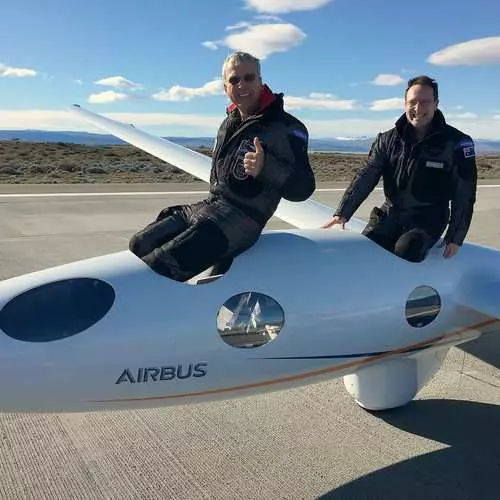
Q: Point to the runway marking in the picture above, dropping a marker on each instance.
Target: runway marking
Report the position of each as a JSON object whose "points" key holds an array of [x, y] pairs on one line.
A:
{"points": [[123, 193], [163, 193]]}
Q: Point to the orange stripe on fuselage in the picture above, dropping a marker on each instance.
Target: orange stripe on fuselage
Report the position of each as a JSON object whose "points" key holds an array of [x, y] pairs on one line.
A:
{"points": [[314, 373]]}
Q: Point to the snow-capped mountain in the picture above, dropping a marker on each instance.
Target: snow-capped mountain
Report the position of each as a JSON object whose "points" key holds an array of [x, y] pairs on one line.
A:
{"points": [[358, 145]]}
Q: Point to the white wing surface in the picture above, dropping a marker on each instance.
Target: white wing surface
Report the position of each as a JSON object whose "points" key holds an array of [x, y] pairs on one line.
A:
{"points": [[307, 214]]}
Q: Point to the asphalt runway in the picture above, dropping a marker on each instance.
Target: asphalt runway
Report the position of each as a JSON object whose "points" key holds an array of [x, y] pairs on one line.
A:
{"points": [[311, 442]]}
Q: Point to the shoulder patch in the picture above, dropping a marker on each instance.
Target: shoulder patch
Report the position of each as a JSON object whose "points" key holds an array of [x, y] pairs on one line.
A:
{"points": [[468, 149], [299, 133]]}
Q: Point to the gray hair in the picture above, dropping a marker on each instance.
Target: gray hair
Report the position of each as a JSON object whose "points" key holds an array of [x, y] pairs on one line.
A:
{"points": [[237, 58]]}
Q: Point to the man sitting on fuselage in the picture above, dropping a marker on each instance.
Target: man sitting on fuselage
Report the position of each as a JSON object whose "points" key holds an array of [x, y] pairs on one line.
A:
{"points": [[260, 156]]}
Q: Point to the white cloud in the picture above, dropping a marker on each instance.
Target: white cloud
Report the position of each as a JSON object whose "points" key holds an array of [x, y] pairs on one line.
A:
{"points": [[461, 116], [473, 52], [178, 93], [9, 71], [318, 101], [321, 95], [64, 120], [382, 79], [78, 81], [119, 82], [387, 79], [35, 119], [283, 6], [265, 17], [481, 128], [349, 127], [211, 45], [261, 40], [206, 122], [237, 26], [207, 125], [387, 104], [107, 96]]}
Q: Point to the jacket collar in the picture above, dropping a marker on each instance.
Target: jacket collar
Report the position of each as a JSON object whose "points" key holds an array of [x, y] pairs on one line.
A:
{"points": [[404, 128]]}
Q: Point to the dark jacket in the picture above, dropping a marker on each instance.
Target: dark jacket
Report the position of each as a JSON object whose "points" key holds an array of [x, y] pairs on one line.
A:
{"points": [[286, 172], [420, 178]]}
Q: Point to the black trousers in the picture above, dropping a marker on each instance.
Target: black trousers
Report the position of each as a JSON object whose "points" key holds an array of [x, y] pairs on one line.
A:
{"points": [[408, 236], [185, 240]]}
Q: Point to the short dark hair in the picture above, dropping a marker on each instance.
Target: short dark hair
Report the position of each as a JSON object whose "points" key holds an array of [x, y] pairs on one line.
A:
{"points": [[423, 80]]}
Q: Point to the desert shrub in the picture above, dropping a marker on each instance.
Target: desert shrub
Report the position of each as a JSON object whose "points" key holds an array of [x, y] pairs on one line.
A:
{"points": [[95, 170], [68, 166], [9, 170], [38, 169]]}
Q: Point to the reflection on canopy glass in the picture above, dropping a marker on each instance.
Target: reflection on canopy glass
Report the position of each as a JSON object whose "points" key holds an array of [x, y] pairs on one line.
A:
{"points": [[423, 306], [249, 319]]}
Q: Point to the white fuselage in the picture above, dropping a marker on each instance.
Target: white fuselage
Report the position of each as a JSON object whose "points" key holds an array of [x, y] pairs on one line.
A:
{"points": [[344, 305]]}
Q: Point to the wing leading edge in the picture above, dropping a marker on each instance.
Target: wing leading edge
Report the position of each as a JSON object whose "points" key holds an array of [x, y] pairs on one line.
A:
{"points": [[308, 214]]}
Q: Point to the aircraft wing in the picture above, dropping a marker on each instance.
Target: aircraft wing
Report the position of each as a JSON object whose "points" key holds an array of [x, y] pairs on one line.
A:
{"points": [[308, 214]]}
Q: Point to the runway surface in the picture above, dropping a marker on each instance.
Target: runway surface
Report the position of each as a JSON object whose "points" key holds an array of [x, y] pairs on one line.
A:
{"points": [[312, 442]]}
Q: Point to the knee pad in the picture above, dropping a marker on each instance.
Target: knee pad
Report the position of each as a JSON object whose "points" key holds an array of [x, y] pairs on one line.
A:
{"points": [[140, 244], [413, 245], [169, 211], [200, 246], [382, 228], [222, 266], [134, 245]]}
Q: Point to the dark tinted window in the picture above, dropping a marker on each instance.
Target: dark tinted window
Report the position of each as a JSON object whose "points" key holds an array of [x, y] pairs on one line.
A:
{"points": [[56, 310]]}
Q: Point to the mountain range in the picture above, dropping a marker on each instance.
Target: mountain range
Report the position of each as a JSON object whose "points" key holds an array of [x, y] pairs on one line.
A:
{"points": [[354, 145]]}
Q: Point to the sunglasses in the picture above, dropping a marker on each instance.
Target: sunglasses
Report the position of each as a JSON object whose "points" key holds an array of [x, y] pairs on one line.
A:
{"points": [[423, 102], [249, 77]]}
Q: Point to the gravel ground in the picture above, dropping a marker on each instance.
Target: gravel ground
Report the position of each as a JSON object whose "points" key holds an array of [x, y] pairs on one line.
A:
{"points": [[62, 163]]}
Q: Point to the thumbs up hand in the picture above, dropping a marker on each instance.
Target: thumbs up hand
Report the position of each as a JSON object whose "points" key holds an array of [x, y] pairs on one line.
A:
{"points": [[254, 161]]}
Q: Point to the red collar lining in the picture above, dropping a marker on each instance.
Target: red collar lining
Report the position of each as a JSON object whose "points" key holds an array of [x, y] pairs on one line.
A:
{"points": [[265, 100]]}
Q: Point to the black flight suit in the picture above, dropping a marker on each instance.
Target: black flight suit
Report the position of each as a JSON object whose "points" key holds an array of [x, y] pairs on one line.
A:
{"points": [[420, 179], [185, 240]]}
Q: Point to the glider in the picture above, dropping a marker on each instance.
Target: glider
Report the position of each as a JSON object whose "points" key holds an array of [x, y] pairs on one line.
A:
{"points": [[301, 306]]}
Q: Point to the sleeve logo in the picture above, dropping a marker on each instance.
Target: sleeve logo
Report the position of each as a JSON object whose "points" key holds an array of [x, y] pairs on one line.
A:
{"points": [[468, 149]]}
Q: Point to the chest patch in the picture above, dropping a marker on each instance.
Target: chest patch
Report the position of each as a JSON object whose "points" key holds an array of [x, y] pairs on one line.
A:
{"points": [[237, 169], [434, 164]]}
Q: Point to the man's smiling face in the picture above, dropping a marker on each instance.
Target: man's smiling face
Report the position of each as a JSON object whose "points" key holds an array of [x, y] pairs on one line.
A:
{"points": [[242, 84], [420, 106]]}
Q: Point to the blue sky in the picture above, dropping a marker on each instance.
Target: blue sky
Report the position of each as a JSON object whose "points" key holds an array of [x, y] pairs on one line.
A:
{"points": [[342, 64]]}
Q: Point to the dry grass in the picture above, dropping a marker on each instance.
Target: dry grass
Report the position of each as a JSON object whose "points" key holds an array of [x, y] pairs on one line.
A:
{"points": [[61, 163]]}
